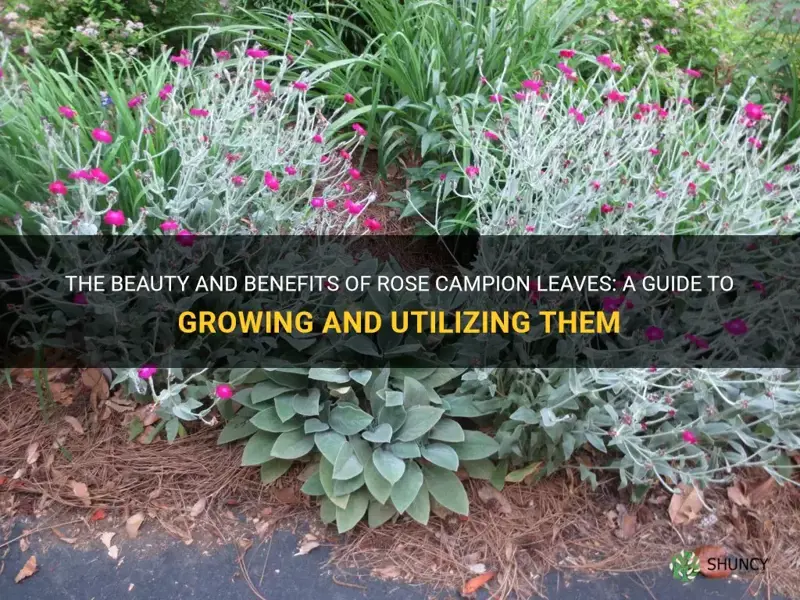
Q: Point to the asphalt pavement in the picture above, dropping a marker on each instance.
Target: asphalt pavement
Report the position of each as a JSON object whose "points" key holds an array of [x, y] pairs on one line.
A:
{"points": [[155, 567]]}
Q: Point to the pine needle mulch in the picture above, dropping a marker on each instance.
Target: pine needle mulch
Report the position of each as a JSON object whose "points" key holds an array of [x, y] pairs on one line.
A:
{"points": [[193, 486]]}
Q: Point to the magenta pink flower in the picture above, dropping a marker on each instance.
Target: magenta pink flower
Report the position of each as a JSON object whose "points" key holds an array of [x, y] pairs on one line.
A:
{"points": [[354, 173], [221, 54], [354, 208], [102, 136], [58, 188], [703, 166], [67, 112], [519, 96], [81, 174], [579, 116], [262, 86], [533, 85], [290, 170], [615, 96], [491, 135], [770, 187], [755, 142], [324, 159], [115, 218], [165, 91], [99, 176], [530, 228], [692, 189], [318, 202], [185, 238], [496, 98], [604, 59], [472, 171], [693, 73], [169, 225], [606, 209], [689, 437], [685, 101], [349, 98], [595, 184], [565, 69], [271, 182], [372, 224], [317, 139], [347, 186], [788, 167], [238, 180], [135, 101], [654, 151], [758, 285], [331, 204], [359, 129], [566, 53], [754, 112], [224, 391], [80, 298], [697, 341], [182, 60], [198, 112], [147, 371], [736, 326], [654, 333], [442, 176], [661, 49], [612, 303], [660, 194], [344, 154], [300, 85], [257, 53]]}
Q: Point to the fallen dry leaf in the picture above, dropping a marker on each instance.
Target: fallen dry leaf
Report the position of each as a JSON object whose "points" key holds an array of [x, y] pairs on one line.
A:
{"points": [[198, 508], [306, 547], [627, 527], [391, 572], [63, 538], [737, 496], [704, 553], [61, 393], [28, 569], [97, 384], [24, 544], [106, 538], [287, 495], [685, 507], [81, 491], [476, 583], [97, 515], [494, 499], [113, 552], [32, 453], [75, 424], [132, 525], [762, 492]]}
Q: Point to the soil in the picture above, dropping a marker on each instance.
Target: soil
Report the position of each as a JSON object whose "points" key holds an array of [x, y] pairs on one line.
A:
{"points": [[197, 492]]}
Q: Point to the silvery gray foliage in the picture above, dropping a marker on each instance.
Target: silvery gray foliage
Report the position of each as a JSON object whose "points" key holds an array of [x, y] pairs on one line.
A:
{"points": [[570, 162]]}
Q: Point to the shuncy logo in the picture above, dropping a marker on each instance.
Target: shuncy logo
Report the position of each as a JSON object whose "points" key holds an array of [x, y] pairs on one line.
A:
{"points": [[686, 565]]}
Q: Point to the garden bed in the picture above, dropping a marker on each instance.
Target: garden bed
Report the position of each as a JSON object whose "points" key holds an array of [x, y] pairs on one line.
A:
{"points": [[197, 491]]}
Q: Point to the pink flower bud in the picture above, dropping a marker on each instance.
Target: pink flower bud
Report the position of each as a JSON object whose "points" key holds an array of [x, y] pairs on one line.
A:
{"points": [[67, 112], [262, 86], [115, 218], [318, 202], [349, 98], [185, 238], [169, 225], [58, 188], [102, 136], [224, 391], [147, 371]]}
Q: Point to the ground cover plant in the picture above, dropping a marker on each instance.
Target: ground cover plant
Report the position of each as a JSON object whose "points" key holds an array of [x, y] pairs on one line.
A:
{"points": [[234, 140], [416, 55], [139, 154]]}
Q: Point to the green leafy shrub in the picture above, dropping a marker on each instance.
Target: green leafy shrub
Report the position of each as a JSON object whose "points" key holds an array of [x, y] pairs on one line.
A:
{"points": [[417, 56], [719, 39], [88, 28]]}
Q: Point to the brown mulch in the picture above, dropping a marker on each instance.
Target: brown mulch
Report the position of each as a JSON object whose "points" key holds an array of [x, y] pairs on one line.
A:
{"points": [[558, 523]]}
